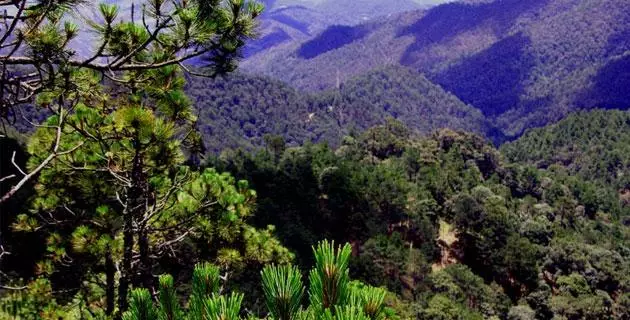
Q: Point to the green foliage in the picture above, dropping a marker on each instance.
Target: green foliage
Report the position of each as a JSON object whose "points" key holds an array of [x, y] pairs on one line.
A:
{"points": [[588, 144], [443, 308], [140, 306], [444, 222], [115, 197], [222, 307], [243, 109], [371, 298], [390, 262], [283, 291], [169, 308], [453, 229], [521, 312], [27, 305], [329, 278], [457, 287]]}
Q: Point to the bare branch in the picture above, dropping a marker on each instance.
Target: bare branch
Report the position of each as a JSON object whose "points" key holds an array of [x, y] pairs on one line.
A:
{"points": [[14, 23], [194, 73], [54, 154], [7, 177], [13, 288], [15, 164], [9, 60], [176, 240]]}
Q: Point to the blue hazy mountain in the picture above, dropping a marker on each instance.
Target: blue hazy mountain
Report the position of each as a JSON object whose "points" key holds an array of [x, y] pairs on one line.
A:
{"points": [[522, 63], [287, 22]]}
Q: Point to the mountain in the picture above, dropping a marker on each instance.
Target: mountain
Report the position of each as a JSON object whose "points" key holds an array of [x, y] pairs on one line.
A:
{"points": [[593, 145], [403, 94], [522, 63], [287, 23], [353, 12], [239, 110]]}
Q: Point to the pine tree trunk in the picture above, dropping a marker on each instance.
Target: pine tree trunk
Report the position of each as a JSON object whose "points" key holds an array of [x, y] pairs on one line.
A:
{"points": [[125, 271], [135, 208], [146, 279], [110, 275]]}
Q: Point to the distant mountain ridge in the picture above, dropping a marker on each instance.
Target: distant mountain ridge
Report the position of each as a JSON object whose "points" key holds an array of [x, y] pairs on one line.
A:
{"points": [[287, 22], [522, 63]]}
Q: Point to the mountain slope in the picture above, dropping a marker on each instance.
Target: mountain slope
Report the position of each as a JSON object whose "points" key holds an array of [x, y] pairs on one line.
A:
{"points": [[356, 11], [403, 94], [593, 145], [287, 23], [523, 63], [239, 110]]}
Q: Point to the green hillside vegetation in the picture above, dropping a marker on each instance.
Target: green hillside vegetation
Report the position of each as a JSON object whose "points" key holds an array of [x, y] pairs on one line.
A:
{"points": [[443, 222], [401, 93], [592, 145], [240, 110], [522, 63], [525, 243]]}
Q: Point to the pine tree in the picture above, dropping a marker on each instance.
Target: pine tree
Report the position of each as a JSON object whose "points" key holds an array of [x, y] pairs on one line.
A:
{"points": [[112, 184], [283, 293], [38, 61]]}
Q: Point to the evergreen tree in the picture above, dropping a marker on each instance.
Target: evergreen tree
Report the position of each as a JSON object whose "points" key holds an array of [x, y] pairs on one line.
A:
{"points": [[38, 60], [332, 295], [112, 185]]}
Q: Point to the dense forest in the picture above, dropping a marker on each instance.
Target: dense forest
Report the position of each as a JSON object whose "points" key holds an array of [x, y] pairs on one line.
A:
{"points": [[244, 108], [593, 145], [448, 226], [143, 178]]}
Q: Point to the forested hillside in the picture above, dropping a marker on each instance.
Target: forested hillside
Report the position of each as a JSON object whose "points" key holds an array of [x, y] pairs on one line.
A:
{"points": [[240, 110], [445, 223], [593, 145], [522, 63]]}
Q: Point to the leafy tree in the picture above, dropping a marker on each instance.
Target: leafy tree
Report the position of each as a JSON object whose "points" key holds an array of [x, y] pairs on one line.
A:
{"points": [[521, 262], [443, 308], [387, 140], [521, 312], [578, 301], [457, 287], [389, 261]]}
